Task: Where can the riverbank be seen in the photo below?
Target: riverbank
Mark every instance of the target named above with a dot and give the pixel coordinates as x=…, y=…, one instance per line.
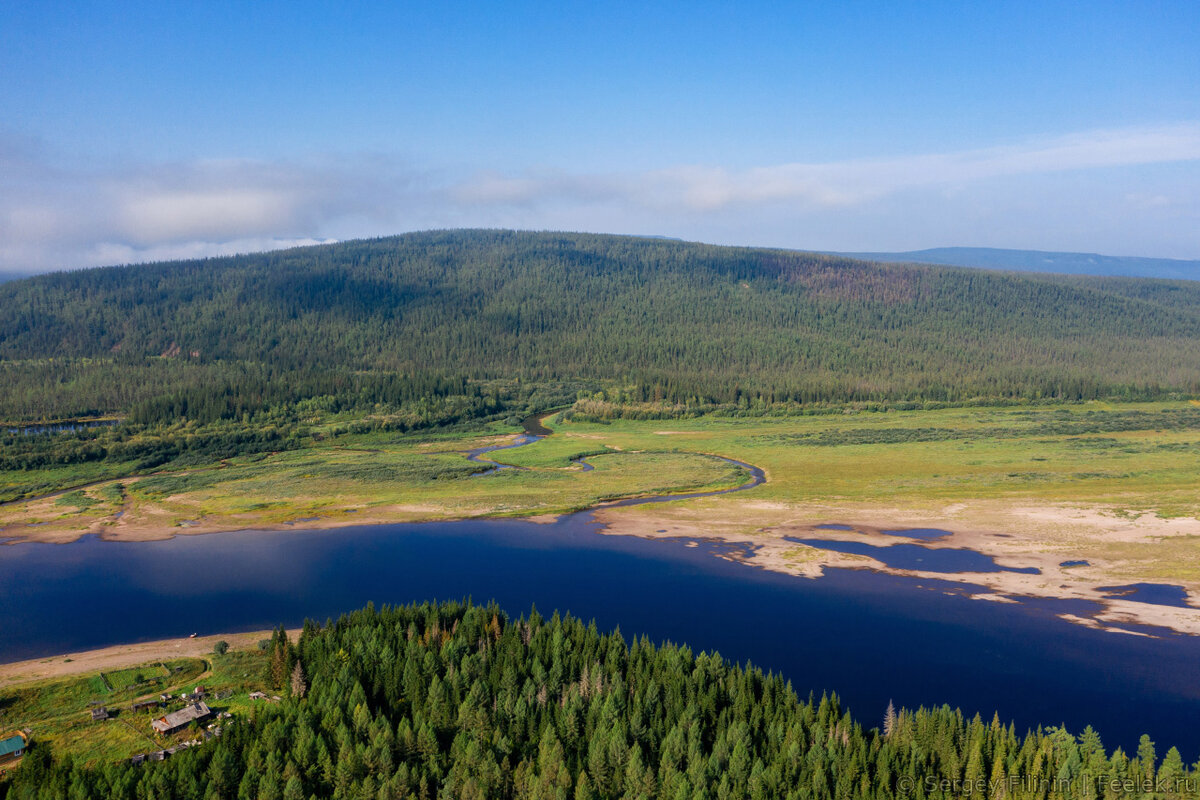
x=379, y=480
x=760, y=534
x=121, y=656
x=1076, y=552
x=984, y=656
x=1089, y=496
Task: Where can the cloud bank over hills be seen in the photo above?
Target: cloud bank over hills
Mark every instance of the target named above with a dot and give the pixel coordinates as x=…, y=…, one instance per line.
x=1058, y=190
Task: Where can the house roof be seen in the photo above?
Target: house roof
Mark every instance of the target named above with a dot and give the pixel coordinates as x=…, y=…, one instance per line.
x=11, y=745
x=182, y=717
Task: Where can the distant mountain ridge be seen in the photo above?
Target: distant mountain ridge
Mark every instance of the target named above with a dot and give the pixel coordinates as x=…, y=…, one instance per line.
x=1043, y=261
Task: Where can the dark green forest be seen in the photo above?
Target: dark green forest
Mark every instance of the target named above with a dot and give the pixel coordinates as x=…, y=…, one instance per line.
x=459, y=701
x=663, y=320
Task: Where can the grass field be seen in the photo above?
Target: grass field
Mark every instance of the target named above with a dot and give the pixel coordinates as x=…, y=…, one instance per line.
x=58, y=712
x=372, y=477
x=1142, y=457
x=136, y=676
x=1131, y=459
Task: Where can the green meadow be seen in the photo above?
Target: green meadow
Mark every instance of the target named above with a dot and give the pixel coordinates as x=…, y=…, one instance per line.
x=58, y=711
x=1124, y=461
x=1142, y=456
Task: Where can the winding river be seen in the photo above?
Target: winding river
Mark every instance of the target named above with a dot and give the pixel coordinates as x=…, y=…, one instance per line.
x=869, y=637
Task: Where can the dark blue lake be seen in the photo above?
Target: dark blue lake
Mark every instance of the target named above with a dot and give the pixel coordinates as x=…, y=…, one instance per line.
x=871, y=638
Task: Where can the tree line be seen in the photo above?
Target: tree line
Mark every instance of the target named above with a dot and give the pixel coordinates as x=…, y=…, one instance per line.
x=460, y=701
x=197, y=425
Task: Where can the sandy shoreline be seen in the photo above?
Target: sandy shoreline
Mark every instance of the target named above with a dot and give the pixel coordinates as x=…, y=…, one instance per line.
x=1119, y=548
x=125, y=655
x=1015, y=536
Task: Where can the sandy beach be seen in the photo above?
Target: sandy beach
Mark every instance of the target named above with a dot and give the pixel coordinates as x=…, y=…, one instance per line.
x=125, y=655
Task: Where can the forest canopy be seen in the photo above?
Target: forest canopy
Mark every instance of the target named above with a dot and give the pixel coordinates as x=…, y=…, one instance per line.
x=663, y=320
x=460, y=701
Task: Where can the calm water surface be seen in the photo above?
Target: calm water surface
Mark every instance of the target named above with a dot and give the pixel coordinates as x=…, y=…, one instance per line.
x=869, y=637
x=1161, y=594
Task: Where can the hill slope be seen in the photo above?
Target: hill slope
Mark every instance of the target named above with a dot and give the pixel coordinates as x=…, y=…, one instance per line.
x=1043, y=261
x=675, y=319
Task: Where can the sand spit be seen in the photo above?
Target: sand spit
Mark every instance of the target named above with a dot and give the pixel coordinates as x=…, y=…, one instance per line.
x=1015, y=536
x=125, y=655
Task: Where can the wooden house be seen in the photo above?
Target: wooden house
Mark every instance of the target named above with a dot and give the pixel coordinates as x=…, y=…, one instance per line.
x=177, y=720
x=12, y=748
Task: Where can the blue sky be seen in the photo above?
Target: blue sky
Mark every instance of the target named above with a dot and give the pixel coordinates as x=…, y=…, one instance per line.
x=132, y=131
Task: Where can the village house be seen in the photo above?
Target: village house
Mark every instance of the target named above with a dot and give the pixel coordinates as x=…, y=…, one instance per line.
x=12, y=748
x=177, y=720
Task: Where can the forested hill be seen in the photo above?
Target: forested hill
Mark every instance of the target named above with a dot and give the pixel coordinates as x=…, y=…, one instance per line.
x=676, y=319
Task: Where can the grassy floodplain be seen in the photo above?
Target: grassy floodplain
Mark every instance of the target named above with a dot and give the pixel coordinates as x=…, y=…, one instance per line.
x=1033, y=485
x=361, y=478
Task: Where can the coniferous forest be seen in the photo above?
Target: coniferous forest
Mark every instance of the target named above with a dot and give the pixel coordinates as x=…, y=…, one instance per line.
x=676, y=321
x=459, y=701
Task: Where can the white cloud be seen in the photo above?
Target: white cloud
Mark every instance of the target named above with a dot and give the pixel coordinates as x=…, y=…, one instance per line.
x=113, y=253
x=183, y=213
x=846, y=183
x=54, y=217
